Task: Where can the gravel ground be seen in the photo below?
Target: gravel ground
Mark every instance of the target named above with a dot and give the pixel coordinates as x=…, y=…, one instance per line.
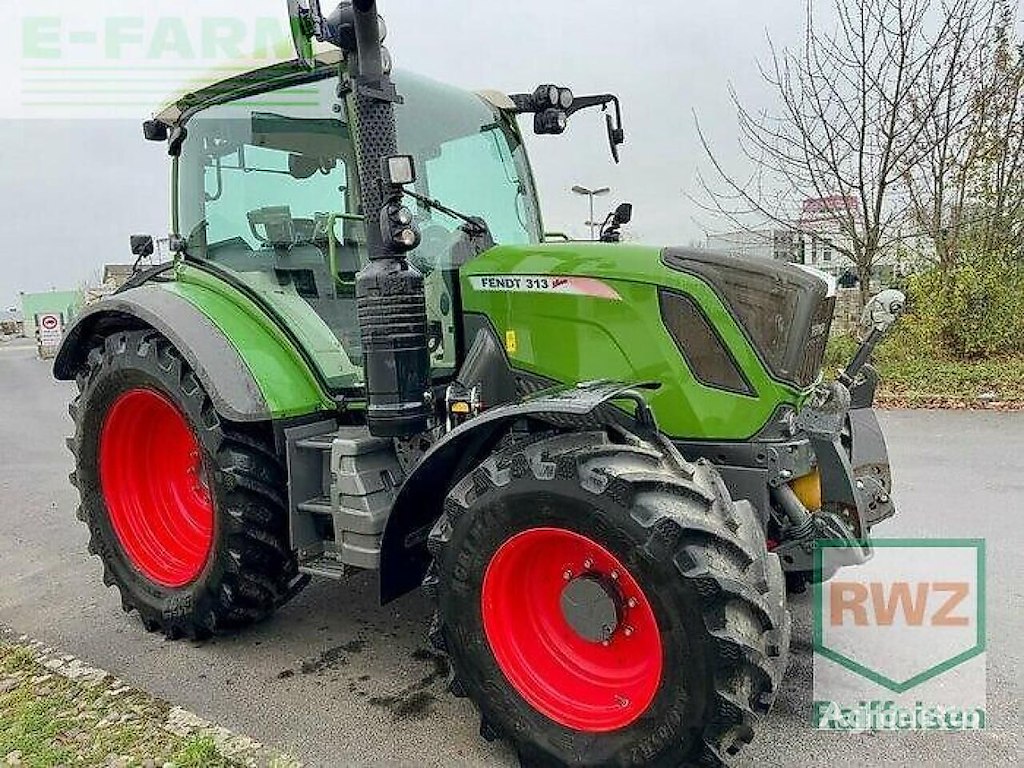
x=335, y=679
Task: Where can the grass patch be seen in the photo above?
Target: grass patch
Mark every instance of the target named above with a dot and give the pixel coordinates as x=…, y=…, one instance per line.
x=914, y=375
x=48, y=720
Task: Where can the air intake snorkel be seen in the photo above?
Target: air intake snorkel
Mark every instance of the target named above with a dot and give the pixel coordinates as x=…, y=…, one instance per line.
x=389, y=293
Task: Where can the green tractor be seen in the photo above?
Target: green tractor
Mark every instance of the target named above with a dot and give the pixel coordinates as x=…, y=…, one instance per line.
x=602, y=462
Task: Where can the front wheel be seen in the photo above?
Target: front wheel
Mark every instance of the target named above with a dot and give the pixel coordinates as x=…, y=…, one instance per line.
x=186, y=511
x=602, y=608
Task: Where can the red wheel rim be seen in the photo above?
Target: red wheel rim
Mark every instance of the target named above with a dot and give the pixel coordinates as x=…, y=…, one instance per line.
x=154, y=488
x=587, y=686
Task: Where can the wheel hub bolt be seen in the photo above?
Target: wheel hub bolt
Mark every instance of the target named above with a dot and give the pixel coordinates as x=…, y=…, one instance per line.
x=567, y=575
x=631, y=602
x=628, y=631
x=588, y=564
x=615, y=575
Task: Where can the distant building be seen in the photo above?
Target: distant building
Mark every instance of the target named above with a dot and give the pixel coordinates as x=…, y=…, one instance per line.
x=67, y=304
x=114, y=276
x=817, y=239
x=826, y=241
x=778, y=244
x=117, y=274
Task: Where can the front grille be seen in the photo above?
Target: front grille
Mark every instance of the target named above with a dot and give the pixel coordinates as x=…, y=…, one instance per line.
x=774, y=304
x=817, y=341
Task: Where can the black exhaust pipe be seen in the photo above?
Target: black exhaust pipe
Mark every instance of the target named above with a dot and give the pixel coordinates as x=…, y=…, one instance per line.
x=389, y=292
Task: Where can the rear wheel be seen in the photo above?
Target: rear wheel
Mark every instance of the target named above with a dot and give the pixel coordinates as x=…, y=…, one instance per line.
x=185, y=511
x=602, y=608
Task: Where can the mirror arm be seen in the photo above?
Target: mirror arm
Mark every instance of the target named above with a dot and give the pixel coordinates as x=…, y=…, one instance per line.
x=601, y=100
x=847, y=376
x=525, y=104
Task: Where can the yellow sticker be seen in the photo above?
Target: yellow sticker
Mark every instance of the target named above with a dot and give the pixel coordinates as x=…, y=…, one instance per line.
x=511, y=342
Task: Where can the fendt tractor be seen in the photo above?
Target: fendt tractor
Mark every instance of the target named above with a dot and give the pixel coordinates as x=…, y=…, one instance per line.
x=604, y=463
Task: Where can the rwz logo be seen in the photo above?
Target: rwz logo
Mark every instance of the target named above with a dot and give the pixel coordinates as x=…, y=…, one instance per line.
x=879, y=603
x=908, y=625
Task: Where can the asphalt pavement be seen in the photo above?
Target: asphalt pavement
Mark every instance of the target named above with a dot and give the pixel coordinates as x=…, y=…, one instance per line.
x=336, y=680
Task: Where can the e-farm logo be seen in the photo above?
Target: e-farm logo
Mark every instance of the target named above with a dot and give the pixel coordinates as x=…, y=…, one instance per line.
x=126, y=59
x=899, y=642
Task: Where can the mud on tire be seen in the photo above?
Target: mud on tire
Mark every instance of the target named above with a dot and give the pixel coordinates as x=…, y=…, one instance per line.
x=250, y=569
x=718, y=596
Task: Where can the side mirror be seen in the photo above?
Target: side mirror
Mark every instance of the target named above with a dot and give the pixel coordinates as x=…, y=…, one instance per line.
x=616, y=136
x=611, y=229
x=143, y=246
x=154, y=130
x=304, y=22
x=883, y=310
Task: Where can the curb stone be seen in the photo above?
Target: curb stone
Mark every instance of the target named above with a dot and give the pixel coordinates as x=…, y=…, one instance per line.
x=177, y=721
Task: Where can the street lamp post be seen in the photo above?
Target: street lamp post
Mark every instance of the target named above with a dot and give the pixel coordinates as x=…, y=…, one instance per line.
x=591, y=193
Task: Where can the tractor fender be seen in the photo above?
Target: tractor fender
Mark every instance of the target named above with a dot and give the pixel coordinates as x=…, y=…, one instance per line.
x=404, y=558
x=221, y=370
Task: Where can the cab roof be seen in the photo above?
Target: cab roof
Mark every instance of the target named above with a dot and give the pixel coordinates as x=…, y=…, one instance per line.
x=247, y=84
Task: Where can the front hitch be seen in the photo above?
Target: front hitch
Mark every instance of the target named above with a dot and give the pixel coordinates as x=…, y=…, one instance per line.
x=842, y=514
x=850, y=453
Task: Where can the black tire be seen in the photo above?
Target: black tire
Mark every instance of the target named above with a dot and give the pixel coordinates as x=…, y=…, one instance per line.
x=250, y=569
x=700, y=559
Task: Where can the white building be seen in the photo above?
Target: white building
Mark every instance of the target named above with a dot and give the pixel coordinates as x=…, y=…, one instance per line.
x=778, y=244
x=816, y=239
x=824, y=238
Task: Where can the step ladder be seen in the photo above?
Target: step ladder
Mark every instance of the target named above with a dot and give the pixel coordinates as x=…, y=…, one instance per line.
x=342, y=483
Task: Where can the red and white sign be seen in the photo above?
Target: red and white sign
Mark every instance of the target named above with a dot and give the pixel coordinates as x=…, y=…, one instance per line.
x=51, y=329
x=821, y=210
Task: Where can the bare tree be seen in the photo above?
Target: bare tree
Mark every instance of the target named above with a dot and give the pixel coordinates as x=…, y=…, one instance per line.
x=961, y=188
x=997, y=194
x=842, y=130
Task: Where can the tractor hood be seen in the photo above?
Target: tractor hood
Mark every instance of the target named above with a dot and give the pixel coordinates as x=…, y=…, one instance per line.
x=783, y=310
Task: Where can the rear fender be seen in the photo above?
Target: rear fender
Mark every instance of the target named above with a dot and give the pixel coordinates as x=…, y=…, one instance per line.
x=237, y=389
x=404, y=557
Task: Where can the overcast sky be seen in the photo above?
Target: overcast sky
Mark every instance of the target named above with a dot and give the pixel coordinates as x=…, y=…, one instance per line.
x=73, y=190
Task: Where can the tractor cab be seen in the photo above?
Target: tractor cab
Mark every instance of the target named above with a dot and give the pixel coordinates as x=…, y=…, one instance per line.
x=267, y=192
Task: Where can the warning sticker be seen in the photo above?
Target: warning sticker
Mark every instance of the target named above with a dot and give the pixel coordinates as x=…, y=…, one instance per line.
x=571, y=286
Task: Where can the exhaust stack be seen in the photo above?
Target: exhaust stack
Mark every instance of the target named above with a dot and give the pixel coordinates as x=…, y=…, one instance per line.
x=389, y=292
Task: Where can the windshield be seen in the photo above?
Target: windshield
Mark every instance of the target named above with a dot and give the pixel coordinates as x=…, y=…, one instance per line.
x=244, y=163
x=267, y=189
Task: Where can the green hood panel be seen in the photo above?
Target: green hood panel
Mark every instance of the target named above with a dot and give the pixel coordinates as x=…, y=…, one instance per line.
x=574, y=331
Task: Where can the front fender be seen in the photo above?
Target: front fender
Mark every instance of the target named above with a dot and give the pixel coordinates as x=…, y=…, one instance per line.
x=404, y=557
